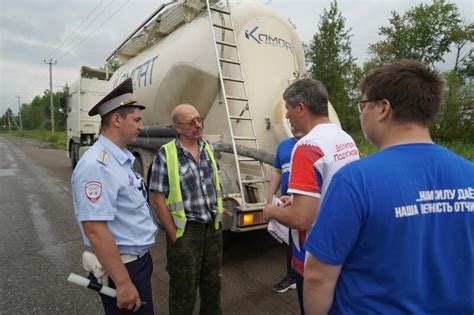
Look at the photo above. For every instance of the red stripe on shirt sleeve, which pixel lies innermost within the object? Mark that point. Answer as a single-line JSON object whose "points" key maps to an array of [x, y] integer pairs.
{"points": [[303, 176]]}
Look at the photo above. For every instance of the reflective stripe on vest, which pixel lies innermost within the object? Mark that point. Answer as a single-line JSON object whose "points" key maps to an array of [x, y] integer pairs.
{"points": [[174, 201]]}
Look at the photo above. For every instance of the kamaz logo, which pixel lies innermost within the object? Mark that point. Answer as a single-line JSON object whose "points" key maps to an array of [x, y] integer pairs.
{"points": [[266, 39], [251, 34]]}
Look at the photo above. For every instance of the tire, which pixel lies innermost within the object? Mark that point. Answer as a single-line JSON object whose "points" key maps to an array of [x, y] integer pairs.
{"points": [[74, 150], [226, 239]]}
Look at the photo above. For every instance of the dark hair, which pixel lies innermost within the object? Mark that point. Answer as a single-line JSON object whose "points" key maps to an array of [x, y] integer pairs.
{"points": [[122, 111], [310, 92], [413, 89]]}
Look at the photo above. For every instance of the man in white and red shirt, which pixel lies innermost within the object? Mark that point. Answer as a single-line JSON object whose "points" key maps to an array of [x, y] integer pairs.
{"points": [[316, 157]]}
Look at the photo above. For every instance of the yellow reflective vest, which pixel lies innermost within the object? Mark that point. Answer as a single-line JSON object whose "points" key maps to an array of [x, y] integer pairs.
{"points": [[174, 201]]}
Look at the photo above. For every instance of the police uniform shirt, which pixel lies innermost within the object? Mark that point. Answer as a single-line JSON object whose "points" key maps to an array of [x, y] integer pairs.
{"points": [[105, 188]]}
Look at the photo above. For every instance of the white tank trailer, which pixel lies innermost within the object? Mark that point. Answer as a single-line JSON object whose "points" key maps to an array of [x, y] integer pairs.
{"points": [[232, 62]]}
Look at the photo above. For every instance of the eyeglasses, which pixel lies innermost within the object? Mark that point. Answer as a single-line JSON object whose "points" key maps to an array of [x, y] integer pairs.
{"points": [[362, 104], [193, 122]]}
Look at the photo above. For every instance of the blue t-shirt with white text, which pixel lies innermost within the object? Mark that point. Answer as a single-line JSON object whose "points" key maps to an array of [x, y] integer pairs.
{"points": [[401, 224]]}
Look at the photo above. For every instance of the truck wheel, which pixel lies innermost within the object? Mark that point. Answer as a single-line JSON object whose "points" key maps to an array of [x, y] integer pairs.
{"points": [[73, 154], [226, 239]]}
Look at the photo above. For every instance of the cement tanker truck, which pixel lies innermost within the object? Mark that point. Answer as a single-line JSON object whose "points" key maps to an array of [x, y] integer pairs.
{"points": [[232, 62]]}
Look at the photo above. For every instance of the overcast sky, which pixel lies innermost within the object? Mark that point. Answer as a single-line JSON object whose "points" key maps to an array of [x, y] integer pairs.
{"points": [[67, 32]]}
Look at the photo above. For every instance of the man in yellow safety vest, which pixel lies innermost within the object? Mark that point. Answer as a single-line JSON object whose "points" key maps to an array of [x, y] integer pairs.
{"points": [[186, 196]]}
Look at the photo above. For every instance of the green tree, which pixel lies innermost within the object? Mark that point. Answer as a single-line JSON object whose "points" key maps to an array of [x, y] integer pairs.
{"points": [[330, 59], [6, 120], [60, 117], [37, 114], [113, 64], [456, 120], [423, 33], [427, 33], [462, 37], [468, 69], [3, 123]]}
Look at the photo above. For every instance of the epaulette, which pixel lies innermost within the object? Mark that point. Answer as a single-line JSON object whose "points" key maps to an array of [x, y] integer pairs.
{"points": [[103, 157]]}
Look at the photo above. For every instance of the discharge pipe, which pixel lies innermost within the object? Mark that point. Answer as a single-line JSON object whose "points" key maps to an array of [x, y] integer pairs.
{"points": [[153, 137], [258, 154]]}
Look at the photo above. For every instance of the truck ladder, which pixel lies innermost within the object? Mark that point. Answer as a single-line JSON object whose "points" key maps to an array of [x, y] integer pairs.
{"points": [[237, 106]]}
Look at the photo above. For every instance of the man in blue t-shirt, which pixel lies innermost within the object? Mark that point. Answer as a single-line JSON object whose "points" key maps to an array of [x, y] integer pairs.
{"points": [[395, 234], [279, 177]]}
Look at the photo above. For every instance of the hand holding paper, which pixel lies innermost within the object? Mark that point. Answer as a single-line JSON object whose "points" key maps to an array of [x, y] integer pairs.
{"points": [[276, 229]]}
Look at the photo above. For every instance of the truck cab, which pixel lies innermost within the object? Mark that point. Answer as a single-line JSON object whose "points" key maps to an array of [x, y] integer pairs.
{"points": [[82, 130]]}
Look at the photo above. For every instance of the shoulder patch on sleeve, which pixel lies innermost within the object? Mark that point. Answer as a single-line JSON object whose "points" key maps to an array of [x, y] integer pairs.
{"points": [[103, 157], [93, 190]]}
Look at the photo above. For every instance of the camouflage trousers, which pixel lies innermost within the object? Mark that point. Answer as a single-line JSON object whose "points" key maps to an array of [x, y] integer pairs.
{"points": [[195, 260]]}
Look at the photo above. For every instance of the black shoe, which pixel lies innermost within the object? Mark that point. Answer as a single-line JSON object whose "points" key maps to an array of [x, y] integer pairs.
{"points": [[285, 284]]}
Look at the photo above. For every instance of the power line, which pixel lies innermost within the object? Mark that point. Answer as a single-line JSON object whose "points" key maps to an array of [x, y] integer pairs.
{"points": [[78, 40], [91, 34], [75, 30], [37, 74], [40, 74], [32, 83]]}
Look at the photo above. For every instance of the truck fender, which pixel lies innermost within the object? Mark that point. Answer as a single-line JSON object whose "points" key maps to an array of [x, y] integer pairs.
{"points": [[82, 150]]}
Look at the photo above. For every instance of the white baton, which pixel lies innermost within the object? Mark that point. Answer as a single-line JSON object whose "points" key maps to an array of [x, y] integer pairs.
{"points": [[87, 283]]}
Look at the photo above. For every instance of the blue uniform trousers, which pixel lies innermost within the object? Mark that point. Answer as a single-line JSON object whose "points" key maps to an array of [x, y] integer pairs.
{"points": [[140, 272]]}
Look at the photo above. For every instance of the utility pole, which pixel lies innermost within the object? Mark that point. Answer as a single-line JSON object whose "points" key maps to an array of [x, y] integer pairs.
{"points": [[19, 112], [51, 107], [16, 124], [9, 124]]}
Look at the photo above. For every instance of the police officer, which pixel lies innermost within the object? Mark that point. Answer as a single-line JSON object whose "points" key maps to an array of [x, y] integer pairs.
{"points": [[111, 207]]}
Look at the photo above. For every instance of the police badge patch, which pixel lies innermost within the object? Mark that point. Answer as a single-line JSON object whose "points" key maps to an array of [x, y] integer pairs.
{"points": [[93, 190]]}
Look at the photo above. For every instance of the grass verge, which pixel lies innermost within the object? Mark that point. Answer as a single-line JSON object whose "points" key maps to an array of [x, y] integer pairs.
{"points": [[54, 140]]}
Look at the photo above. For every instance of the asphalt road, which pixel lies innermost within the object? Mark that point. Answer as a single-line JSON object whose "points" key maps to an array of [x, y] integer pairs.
{"points": [[41, 245]]}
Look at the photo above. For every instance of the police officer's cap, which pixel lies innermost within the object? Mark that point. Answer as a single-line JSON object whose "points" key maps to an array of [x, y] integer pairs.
{"points": [[121, 96]]}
